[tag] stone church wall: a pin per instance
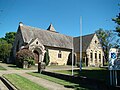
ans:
(58, 59)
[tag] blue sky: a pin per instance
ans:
(63, 14)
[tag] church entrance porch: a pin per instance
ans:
(36, 57)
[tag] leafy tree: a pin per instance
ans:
(117, 21)
(106, 38)
(46, 58)
(6, 45)
(5, 49)
(10, 37)
(25, 55)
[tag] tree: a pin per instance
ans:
(106, 38)
(6, 45)
(25, 55)
(46, 58)
(117, 20)
(10, 37)
(5, 49)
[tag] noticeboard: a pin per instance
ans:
(114, 59)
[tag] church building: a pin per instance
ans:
(59, 46)
(38, 41)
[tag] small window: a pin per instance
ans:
(99, 56)
(91, 55)
(95, 55)
(95, 41)
(37, 42)
(59, 54)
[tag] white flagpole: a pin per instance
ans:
(80, 43)
(72, 56)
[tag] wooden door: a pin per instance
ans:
(36, 57)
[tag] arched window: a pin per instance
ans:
(91, 55)
(99, 56)
(95, 55)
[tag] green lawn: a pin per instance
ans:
(22, 83)
(59, 81)
(2, 68)
(95, 73)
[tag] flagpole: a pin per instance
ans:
(81, 43)
(72, 56)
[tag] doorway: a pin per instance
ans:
(36, 57)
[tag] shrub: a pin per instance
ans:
(24, 55)
(46, 58)
(83, 64)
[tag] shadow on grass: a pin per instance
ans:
(95, 80)
(102, 75)
(72, 85)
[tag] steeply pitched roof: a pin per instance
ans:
(85, 42)
(46, 37)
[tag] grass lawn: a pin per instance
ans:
(102, 74)
(2, 68)
(95, 73)
(22, 83)
(59, 81)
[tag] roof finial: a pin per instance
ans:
(51, 28)
(20, 23)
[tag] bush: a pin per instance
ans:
(83, 64)
(46, 58)
(24, 55)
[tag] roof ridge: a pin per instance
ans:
(85, 35)
(36, 28)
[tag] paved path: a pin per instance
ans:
(56, 68)
(45, 83)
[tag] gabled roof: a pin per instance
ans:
(86, 40)
(46, 37)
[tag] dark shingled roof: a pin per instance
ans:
(46, 37)
(85, 42)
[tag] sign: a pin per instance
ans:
(114, 59)
(113, 55)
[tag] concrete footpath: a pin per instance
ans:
(45, 83)
(40, 81)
